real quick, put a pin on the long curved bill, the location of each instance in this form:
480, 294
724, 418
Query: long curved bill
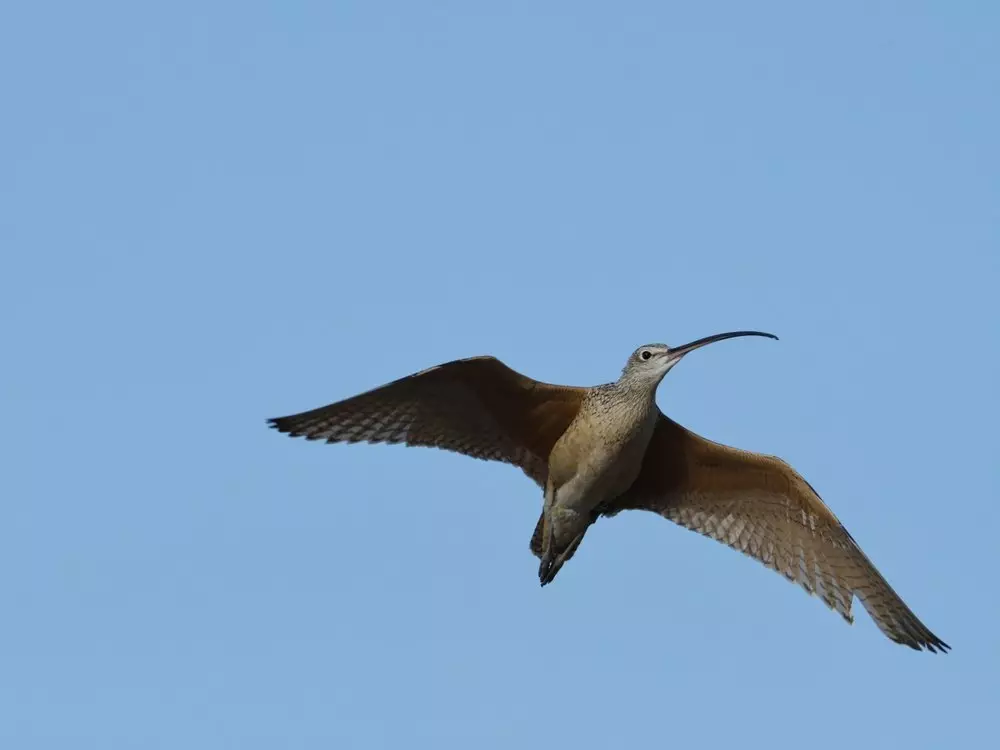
679, 351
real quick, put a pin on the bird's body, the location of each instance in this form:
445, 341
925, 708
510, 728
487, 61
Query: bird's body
598, 451
596, 460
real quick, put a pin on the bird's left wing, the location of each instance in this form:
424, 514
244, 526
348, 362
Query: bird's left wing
761, 506
479, 407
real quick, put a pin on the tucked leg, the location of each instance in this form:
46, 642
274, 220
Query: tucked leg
548, 554
561, 560
564, 530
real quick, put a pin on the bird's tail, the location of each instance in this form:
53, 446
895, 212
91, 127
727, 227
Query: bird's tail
536, 538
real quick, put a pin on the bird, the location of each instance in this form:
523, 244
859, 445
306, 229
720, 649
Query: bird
597, 451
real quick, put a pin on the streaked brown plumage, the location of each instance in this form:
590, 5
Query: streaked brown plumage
599, 451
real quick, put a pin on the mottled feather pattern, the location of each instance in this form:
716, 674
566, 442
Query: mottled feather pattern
443, 417
822, 559
760, 506
762, 526
478, 407
756, 504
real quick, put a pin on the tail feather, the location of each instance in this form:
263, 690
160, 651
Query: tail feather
536, 537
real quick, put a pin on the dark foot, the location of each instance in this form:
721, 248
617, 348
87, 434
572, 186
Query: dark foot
548, 572
561, 559
547, 569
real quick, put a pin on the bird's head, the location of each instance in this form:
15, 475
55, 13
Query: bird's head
648, 364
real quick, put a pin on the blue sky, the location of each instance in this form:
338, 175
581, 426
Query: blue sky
215, 213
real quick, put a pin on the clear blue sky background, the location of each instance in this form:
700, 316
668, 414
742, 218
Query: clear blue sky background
214, 213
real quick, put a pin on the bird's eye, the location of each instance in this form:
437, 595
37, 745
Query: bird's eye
645, 354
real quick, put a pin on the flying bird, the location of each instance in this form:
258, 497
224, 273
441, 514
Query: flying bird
601, 450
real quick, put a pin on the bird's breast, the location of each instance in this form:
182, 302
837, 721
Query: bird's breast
599, 458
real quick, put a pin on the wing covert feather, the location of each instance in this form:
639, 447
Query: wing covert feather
478, 407
760, 506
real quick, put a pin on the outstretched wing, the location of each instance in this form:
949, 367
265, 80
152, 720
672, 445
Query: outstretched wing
762, 507
478, 407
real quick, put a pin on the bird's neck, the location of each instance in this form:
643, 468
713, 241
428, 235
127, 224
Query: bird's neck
640, 390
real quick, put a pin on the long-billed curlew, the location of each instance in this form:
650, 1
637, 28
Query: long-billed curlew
598, 451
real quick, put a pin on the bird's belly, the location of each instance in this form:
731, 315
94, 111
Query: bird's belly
603, 475
624, 472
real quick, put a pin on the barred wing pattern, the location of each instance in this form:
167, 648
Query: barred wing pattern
479, 407
762, 507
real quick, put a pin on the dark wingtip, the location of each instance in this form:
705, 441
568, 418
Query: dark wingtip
931, 643
934, 644
280, 424
941, 647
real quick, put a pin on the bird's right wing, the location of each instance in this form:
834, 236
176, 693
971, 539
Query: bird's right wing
479, 407
761, 506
